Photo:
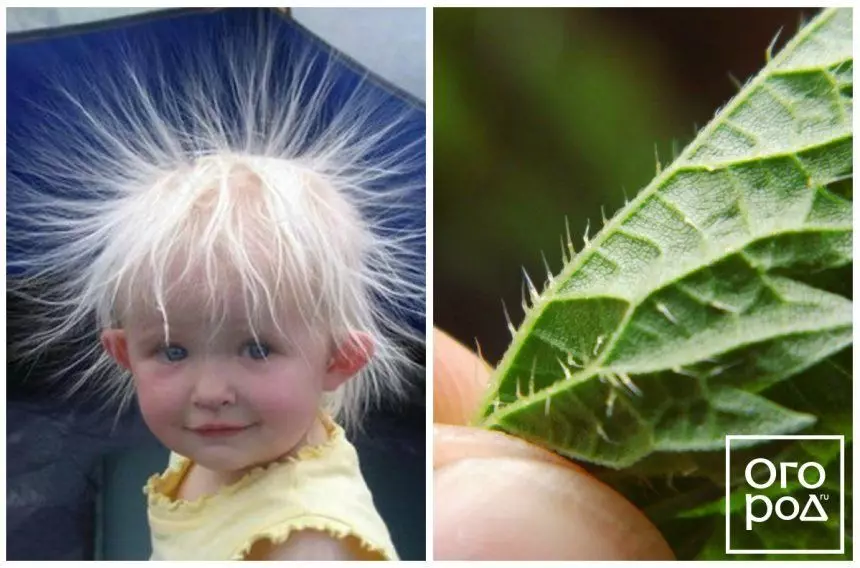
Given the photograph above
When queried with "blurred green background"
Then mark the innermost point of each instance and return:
(542, 114)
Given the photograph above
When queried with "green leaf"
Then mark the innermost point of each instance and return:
(712, 304)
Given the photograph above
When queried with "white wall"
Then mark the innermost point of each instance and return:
(388, 41)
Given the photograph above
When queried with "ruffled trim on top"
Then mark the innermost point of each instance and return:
(279, 534)
(157, 497)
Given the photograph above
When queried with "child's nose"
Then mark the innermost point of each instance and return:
(213, 390)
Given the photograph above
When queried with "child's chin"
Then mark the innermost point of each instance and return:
(228, 460)
(222, 459)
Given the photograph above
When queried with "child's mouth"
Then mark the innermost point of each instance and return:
(219, 431)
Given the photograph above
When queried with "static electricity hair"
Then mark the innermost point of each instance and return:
(268, 182)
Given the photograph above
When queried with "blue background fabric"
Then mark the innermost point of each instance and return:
(73, 477)
(54, 455)
(391, 42)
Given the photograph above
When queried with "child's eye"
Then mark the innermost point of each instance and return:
(254, 350)
(174, 353)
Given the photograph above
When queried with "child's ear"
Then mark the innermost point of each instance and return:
(114, 342)
(350, 357)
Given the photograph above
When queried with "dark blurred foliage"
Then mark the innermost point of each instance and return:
(542, 114)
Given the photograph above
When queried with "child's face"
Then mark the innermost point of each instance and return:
(266, 395)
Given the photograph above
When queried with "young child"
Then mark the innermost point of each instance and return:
(227, 245)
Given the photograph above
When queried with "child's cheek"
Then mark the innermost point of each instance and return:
(293, 404)
(160, 403)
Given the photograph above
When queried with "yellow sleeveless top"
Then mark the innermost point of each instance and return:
(320, 488)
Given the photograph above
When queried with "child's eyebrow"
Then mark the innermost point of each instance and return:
(151, 333)
(148, 329)
(154, 329)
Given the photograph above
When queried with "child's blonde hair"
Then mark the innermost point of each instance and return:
(270, 190)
